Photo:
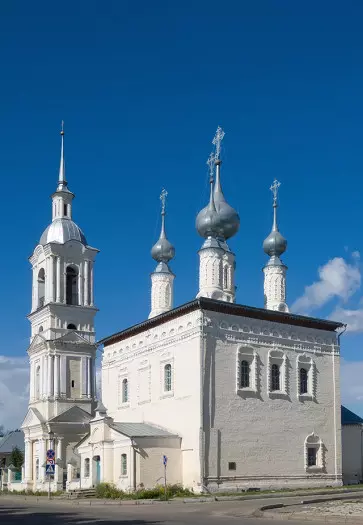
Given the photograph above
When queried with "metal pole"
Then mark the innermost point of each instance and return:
(165, 481)
(48, 486)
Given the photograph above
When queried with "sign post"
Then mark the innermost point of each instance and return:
(165, 462)
(50, 467)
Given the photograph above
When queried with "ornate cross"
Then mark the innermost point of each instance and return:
(218, 137)
(163, 196)
(274, 188)
(210, 164)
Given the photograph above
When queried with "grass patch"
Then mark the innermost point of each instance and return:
(109, 491)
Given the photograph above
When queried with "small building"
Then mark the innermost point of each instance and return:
(14, 439)
(352, 447)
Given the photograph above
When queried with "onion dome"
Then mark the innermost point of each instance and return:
(275, 244)
(163, 251)
(208, 222)
(229, 218)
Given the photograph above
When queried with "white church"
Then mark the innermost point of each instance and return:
(234, 396)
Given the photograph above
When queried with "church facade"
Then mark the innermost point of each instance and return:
(227, 396)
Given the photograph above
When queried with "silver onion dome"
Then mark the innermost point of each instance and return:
(208, 222)
(163, 251)
(275, 244)
(229, 218)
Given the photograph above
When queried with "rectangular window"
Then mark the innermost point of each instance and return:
(123, 465)
(245, 374)
(167, 377)
(275, 377)
(232, 465)
(125, 391)
(65, 210)
(303, 381)
(86, 467)
(72, 383)
(312, 456)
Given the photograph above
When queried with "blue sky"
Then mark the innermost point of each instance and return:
(142, 87)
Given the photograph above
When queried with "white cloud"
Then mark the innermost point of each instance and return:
(337, 278)
(14, 390)
(352, 318)
(351, 373)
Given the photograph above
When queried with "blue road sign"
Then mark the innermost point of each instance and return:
(50, 454)
(165, 460)
(50, 469)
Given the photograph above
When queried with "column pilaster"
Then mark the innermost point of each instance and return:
(86, 283)
(89, 376)
(91, 283)
(58, 280)
(50, 376)
(63, 376)
(28, 460)
(56, 376)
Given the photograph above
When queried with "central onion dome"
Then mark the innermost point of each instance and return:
(229, 218)
(208, 221)
(62, 230)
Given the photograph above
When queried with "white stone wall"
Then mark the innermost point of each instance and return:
(162, 293)
(150, 465)
(141, 359)
(264, 432)
(352, 451)
(275, 287)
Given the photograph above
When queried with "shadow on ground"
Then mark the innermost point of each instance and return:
(14, 516)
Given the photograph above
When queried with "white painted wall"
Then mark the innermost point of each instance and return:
(264, 433)
(141, 359)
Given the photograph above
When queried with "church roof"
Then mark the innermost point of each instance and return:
(134, 430)
(239, 310)
(12, 440)
(349, 418)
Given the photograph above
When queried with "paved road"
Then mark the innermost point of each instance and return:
(18, 511)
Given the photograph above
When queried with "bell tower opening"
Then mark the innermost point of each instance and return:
(41, 287)
(71, 285)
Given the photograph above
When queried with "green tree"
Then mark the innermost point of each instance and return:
(16, 458)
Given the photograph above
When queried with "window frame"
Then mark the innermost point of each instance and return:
(168, 380)
(124, 465)
(279, 358)
(246, 353)
(306, 362)
(312, 441)
(87, 467)
(125, 390)
(168, 359)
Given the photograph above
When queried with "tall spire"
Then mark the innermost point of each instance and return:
(163, 251)
(62, 183)
(229, 218)
(275, 244)
(162, 277)
(207, 221)
(275, 270)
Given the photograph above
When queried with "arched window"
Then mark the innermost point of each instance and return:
(275, 377)
(245, 374)
(71, 326)
(41, 288)
(167, 377)
(86, 467)
(65, 210)
(40, 329)
(37, 382)
(125, 391)
(225, 277)
(37, 469)
(303, 381)
(71, 285)
(123, 465)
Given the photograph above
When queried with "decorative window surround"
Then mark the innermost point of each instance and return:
(279, 358)
(123, 374)
(163, 362)
(245, 353)
(304, 361)
(313, 441)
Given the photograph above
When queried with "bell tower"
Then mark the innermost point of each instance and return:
(62, 349)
